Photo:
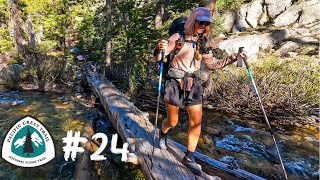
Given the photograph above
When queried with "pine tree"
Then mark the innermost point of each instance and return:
(28, 144)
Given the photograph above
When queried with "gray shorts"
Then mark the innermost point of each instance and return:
(173, 94)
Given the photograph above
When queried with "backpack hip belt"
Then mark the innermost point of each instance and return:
(179, 74)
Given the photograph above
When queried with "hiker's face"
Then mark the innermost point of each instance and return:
(200, 26)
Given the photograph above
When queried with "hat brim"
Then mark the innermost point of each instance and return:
(203, 18)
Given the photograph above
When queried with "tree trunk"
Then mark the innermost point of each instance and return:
(127, 55)
(108, 38)
(32, 40)
(209, 5)
(17, 34)
(159, 17)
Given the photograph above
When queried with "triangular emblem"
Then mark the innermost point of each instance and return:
(28, 144)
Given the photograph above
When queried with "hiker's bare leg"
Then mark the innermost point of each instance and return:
(195, 118)
(172, 118)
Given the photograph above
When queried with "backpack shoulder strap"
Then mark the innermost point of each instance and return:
(178, 46)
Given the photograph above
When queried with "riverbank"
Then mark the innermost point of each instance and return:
(247, 144)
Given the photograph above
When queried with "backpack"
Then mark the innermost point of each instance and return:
(177, 26)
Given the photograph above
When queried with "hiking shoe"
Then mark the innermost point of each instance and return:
(192, 165)
(163, 142)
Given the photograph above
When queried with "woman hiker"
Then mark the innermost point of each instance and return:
(183, 81)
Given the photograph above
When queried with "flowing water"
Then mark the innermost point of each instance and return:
(59, 113)
(243, 144)
(248, 145)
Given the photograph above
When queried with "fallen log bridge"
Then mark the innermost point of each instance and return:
(135, 128)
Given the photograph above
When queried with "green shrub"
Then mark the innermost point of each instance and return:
(287, 87)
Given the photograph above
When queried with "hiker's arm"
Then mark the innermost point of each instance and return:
(169, 47)
(213, 63)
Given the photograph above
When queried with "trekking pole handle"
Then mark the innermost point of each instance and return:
(160, 71)
(239, 60)
(162, 55)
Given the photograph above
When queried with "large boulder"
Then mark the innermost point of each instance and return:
(228, 20)
(248, 15)
(264, 17)
(275, 7)
(252, 43)
(290, 16)
(315, 30)
(269, 40)
(299, 32)
(310, 12)
(2, 79)
(241, 23)
(303, 14)
(287, 47)
(253, 13)
(10, 74)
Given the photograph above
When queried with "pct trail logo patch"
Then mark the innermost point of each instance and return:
(28, 144)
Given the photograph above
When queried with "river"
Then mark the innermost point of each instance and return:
(59, 113)
(242, 143)
(247, 144)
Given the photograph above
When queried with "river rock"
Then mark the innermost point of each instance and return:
(201, 141)
(211, 131)
(247, 137)
(295, 138)
(275, 7)
(244, 129)
(296, 168)
(14, 103)
(316, 174)
(207, 140)
(133, 158)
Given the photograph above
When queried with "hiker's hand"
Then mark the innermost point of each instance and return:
(243, 54)
(162, 44)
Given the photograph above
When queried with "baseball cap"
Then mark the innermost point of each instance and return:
(205, 15)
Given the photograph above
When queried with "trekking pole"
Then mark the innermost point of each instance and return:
(264, 112)
(158, 101)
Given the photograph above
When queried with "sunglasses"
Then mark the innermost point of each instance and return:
(206, 23)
